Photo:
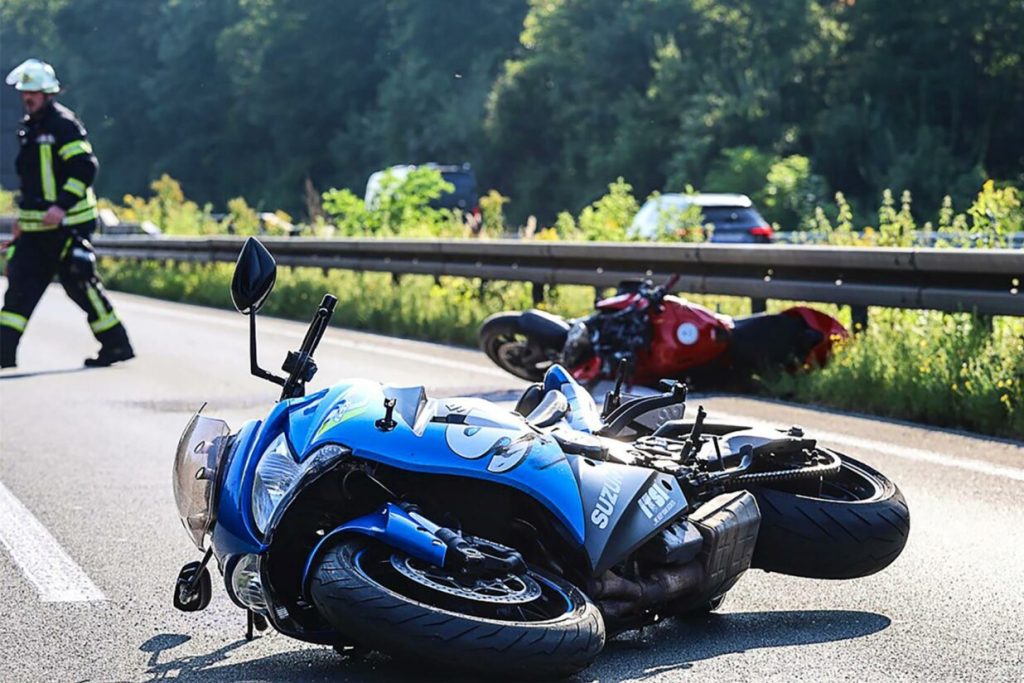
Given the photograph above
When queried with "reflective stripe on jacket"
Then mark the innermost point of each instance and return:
(56, 165)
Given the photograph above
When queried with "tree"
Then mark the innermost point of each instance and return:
(925, 96)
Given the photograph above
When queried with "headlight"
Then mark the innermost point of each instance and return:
(247, 585)
(196, 463)
(274, 476)
(278, 472)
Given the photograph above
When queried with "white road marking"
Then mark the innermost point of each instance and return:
(343, 343)
(39, 556)
(885, 448)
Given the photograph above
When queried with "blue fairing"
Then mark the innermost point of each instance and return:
(461, 437)
(234, 532)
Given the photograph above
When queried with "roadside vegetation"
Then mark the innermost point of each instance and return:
(954, 370)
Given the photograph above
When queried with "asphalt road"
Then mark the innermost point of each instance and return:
(85, 460)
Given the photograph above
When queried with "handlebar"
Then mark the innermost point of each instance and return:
(299, 364)
(659, 292)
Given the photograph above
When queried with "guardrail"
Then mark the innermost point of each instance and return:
(987, 281)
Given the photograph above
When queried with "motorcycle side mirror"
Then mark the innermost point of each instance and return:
(254, 277)
(255, 274)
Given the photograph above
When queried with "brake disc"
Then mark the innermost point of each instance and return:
(508, 589)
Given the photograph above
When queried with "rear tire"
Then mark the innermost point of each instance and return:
(504, 342)
(857, 525)
(361, 594)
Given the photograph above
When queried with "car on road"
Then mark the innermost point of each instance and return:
(732, 216)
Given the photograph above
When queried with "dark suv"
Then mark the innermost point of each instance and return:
(732, 216)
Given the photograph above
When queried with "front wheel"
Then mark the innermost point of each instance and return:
(526, 625)
(505, 343)
(849, 524)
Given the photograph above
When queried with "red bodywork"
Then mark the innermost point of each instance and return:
(685, 335)
(831, 331)
(619, 302)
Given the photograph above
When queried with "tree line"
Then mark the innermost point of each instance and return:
(550, 100)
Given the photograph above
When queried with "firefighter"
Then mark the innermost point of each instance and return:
(56, 215)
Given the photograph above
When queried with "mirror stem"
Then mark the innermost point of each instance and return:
(254, 366)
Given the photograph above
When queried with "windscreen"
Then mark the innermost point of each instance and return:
(195, 473)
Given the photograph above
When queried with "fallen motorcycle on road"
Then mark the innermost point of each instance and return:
(502, 542)
(659, 335)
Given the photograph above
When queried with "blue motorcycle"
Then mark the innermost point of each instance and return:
(497, 541)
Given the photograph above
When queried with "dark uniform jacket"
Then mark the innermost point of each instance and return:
(56, 166)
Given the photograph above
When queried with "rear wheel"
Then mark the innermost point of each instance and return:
(526, 624)
(852, 523)
(504, 342)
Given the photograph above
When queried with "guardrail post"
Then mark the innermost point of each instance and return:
(859, 318)
(537, 289)
(758, 305)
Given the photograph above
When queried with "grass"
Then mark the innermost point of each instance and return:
(954, 370)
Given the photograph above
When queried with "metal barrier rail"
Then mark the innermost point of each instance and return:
(988, 281)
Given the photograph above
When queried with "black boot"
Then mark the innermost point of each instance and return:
(8, 347)
(115, 349)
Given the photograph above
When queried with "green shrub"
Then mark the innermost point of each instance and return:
(608, 218)
(492, 206)
(400, 207)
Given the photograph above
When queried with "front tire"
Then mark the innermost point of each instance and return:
(851, 524)
(505, 343)
(363, 593)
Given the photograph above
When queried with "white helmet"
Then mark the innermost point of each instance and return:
(34, 75)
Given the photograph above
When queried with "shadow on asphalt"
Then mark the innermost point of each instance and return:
(675, 645)
(40, 373)
(303, 665)
(679, 645)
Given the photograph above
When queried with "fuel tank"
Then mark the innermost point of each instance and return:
(683, 335)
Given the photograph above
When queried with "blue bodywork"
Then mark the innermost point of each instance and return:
(464, 437)
(594, 502)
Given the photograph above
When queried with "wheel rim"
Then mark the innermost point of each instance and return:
(508, 589)
(851, 484)
(538, 598)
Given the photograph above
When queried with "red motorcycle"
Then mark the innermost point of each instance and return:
(660, 336)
